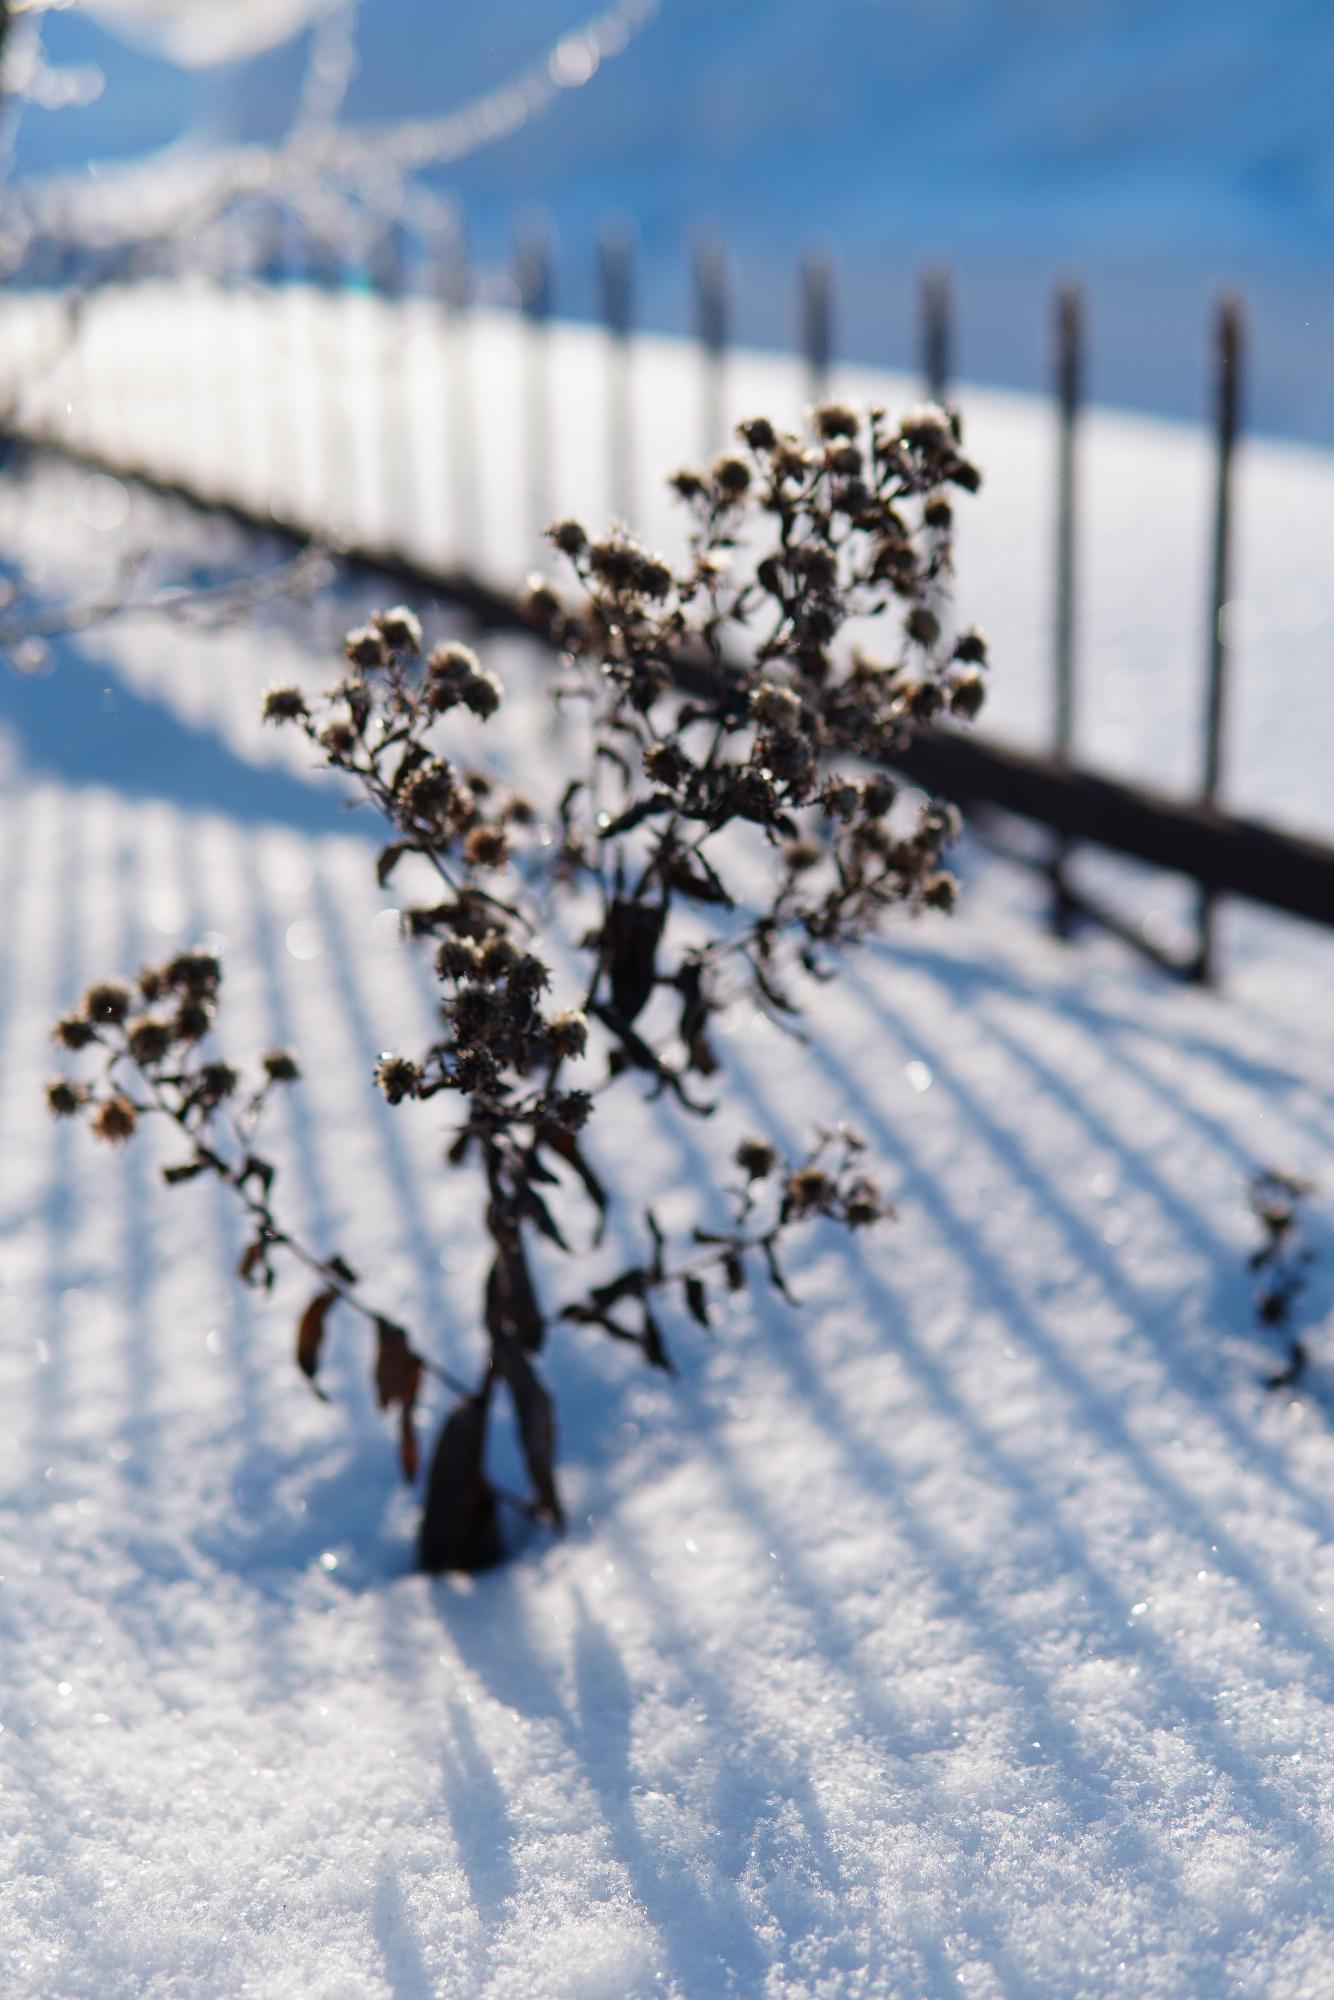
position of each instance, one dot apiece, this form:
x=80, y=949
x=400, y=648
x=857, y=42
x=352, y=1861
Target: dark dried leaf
x=512, y=1308
x=633, y=931
x=655, y=1351
x=695, y=878
x=252, y=1258
x=537, y=1427
x=651, y=807
x=537, y=1211
x=310, y=1336
x=398, y=1371
x=173, y=1176
x=735, y=1272
x=390, y=857
x=697, y=1299
x=340, y=1268
x=459, y=1530
x=567, y=1146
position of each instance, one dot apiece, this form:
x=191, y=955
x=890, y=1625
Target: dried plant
x=1275, y=1199
x=727, y=828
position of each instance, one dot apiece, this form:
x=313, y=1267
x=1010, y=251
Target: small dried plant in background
x=1281, y=1264
x=725, y=828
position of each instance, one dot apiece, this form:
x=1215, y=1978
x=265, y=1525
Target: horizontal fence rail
x=321, y=476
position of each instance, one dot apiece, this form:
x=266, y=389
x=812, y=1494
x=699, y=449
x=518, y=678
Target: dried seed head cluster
x=731, y=824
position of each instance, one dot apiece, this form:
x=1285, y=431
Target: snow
x=964, y=1631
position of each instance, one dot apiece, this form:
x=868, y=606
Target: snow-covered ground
x=963, y=1632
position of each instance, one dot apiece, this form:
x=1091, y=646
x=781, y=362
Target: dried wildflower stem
x=710, y=848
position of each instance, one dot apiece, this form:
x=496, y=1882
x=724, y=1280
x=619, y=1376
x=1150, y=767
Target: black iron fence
x=315, y=464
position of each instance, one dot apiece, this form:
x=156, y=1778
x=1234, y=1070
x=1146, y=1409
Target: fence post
x=816, y=288
x=453, y=284
x=1069, y=329
x=532, y=270
x=711, y=332
x=386, y=272
x=936, y=330
x=616, y=285
x=1227, y=403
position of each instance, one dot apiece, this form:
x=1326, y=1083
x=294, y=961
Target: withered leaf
x=390, y=857
x=569, y=1149
x=512, y=1309
x=340, y=1269
x=310, y=1336
x=695, y=878
x=697, y=1299
x=655, y=1348
x=633, y=931
x=735, y=1272
x=651, y=807
x=534, y=1207
x=537, y=1427
x=252, y=1257
x=185, y=1172
x=459, y=1530
x=398, y=1371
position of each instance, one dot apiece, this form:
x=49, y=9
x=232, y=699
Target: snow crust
x=964, y=1632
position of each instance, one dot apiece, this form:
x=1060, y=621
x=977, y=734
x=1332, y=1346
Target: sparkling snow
x=962, y=1632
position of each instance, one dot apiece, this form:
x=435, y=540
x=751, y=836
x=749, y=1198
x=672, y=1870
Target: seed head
x=109, y=1000
x=972, y=647
x=65, y=1099
x=73, y=1032
x=397, y=1077
x=687, y=485
x=572, y=1109
x=192, y=1021
x=568, y=536
x=365, y=648
x=217, y=1080
x=400, y=629
x=284, y=704
x=835, y=420
x=483, y=694
x=665, y=764
x=808, y=1188
x=862, y=1204
x=569, y=1032
x=148, y=1040
x=115, y=1121
x=756, y=1158
x=777, y=708
x=280, y=1066
x=195, y=972
x=732, y=477
x=922, y=625
x=967, y=694
x=758, y=433
x=487, y=847
x=338, y=739
x=457, y=958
